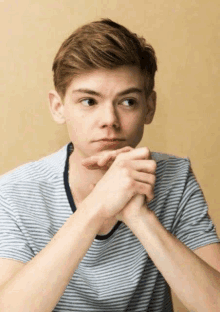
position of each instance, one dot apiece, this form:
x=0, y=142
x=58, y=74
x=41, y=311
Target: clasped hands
x=138, y=203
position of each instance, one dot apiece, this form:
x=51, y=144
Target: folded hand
x=104, y=160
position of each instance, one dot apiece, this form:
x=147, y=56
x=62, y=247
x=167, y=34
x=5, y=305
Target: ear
x=151, y=107
x=56, y=107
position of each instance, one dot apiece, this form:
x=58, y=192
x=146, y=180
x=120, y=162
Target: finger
x=95, y=165
x=93, y=162
x=144, y=177
x=136, y=153
x=140, y=165
x=148, y=166
x=90, y=160
x=145, y=189
x=105, y=159
x=110, y=156
x=122, y=150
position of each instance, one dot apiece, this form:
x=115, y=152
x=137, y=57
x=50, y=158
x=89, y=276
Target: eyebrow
x=127, y=91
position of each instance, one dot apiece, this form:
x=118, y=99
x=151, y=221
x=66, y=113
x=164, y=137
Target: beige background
x=185, y=35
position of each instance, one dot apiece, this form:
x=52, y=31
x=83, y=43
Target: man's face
x=101, y=104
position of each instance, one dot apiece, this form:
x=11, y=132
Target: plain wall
x=185, y=35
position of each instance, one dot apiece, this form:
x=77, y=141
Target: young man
x=102, y=225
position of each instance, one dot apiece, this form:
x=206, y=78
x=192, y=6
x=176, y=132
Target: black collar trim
x=70, y=148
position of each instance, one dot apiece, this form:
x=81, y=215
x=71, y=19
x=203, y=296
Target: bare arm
x=39, y=285
x=196, y=283
x=193, y=276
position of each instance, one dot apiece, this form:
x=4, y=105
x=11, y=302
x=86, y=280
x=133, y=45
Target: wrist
x=93, y=210
x=144, y=214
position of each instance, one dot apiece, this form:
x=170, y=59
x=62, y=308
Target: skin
x=90, y=117
x=108, y=117
x=139, y=202
x=193, y=276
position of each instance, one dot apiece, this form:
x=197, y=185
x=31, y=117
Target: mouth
x=109, y=142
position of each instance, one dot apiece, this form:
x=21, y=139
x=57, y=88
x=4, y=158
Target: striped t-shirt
x=116, y=274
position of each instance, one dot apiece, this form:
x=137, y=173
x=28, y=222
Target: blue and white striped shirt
x=116, y=274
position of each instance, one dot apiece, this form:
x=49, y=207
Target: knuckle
x=114, y=154
x=150, y=198
x=153, y=179
x=130, y=183
x=150, y=189
x=122, y=162
x=153, y=165
x=106, y=154
x=150, y=194
x=144, y=188
x=129, y=148
x=125, y=171
x=147, y=151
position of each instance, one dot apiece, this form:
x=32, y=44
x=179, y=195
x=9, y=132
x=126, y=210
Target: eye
x=90, y=101
x=131, y=102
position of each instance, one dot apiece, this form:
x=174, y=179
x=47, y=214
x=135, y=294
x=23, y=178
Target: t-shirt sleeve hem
x=17, y=257
x=201, y=241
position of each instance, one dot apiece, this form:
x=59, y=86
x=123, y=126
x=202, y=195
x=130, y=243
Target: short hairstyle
x=102, y=44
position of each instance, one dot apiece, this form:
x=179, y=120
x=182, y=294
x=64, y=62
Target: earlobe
x=151, y=107
x=56, y=107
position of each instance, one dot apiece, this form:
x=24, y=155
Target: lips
x=105, y=140
x=110, y=140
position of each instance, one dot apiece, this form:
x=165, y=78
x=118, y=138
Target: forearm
x=195, y=283
x=43, y=280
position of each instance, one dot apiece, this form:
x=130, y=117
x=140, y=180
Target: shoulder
x=45, y=169
x=173, y=174
x=163, y=157
x=171, y=164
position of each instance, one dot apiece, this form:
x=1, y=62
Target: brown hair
x=102, y=44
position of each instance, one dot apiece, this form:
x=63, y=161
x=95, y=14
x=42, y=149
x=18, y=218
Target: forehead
x=117, y=78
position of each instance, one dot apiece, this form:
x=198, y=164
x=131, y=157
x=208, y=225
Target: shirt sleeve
x=13, y=243
x=193, y=225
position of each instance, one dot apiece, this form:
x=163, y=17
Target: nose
x=109, y=116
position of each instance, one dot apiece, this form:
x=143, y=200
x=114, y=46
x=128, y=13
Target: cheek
x=134, y=123
x=77, y=126
x=73, y=115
